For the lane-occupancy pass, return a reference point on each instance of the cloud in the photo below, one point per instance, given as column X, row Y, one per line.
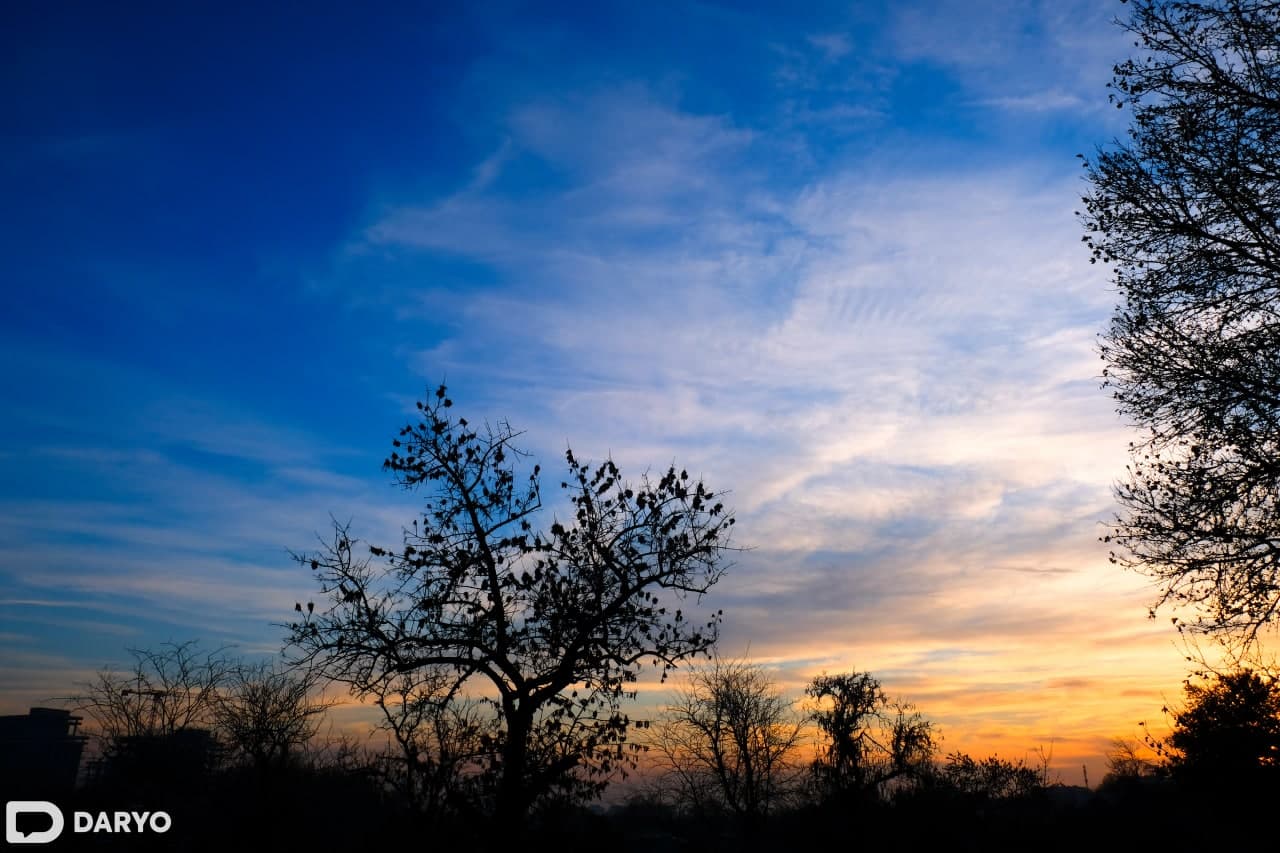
column 895, row 374
column 1037, row 102
column 832, row 45
column 167, row 518
column 623, row 164
column 938, row 322
column 1056, row 56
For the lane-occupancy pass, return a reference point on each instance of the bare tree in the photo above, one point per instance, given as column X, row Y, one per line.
column 157, row 719
column 264, row 711
column 556, row 624
column 1187, row 212
column 991, row 778
column 180, row 703
column 1130, row 759
column 166, row 690
column 441, row 744
column 729, row 741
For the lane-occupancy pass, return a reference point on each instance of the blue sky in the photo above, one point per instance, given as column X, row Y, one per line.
column 823, row 254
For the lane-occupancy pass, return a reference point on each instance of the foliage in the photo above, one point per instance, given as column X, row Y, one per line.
column 1188, row 213
column 554, row 624
column 991, row 778
column 1228, row 731
column 873, row 744
column 728, row 741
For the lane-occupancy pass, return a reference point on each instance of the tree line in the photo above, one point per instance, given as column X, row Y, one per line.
column 728, row 752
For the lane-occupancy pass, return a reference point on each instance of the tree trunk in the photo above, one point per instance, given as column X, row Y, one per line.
column 512, row 798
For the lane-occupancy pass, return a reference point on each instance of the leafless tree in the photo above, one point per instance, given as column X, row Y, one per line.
column 178, row 698
column 729, row 741
column 166, row 690
column 264, row 711
column 991, row 778
column 440, row 743
column 1129, row 758
column 1187, row 212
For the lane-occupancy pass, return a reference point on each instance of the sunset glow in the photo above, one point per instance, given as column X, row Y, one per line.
column 825, row 257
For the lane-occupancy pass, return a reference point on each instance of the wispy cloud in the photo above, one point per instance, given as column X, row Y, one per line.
column 1028, row 58
column 832, row 267
column 1037, row 102
column 832, row 45
column 895, row 374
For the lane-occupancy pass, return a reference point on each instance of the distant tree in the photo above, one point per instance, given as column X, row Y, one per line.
column 872, row 743
column 166, row 690
column 441, row 743
column 555, row 624
column 1228, row 731
column 266, row 711
column 1130, row 759
column 991, row 778
column 1187, row 211
column 728, row 742
column 157, row 719
column 181, row 703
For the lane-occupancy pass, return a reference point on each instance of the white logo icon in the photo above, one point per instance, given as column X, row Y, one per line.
column 16, row 807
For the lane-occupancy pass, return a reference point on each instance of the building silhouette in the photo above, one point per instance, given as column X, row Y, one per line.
column 40, row 752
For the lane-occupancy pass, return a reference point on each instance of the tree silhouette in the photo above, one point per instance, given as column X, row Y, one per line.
column 1188, row 213
column 872, row 743
column 1129, row 759
column 991, row 778
column 167, row 689
column 182, row 708
column 439, row 741
column 555, row 624
column 728, row 741
column 1229, row 730
column 265, row 711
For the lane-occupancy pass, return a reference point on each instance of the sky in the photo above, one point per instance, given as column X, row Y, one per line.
column 823, row 255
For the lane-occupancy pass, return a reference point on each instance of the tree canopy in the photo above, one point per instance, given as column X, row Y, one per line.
column 1229, row 729
column 1187, row 212
column 872, row 743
